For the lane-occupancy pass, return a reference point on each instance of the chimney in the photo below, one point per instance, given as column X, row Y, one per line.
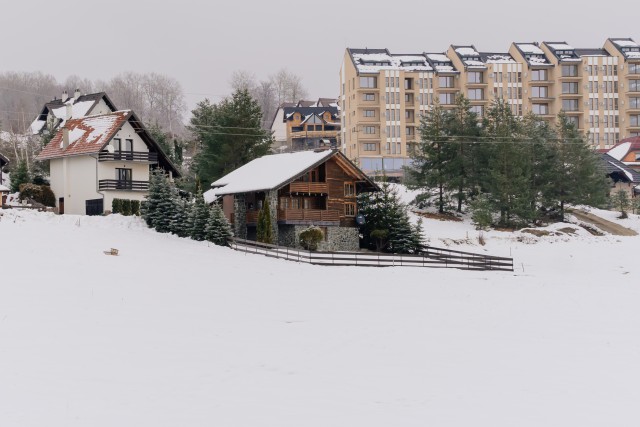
column 65, row 96
column 77, row 94
column 69, row 112
column 65, row 137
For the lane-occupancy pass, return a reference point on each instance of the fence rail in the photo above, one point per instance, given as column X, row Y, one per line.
column 431, row 257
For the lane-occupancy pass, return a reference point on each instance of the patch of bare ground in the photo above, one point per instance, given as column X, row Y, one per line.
column 439, row 216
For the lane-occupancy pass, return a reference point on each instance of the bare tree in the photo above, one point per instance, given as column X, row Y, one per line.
column 242, row 79
column 288, row 86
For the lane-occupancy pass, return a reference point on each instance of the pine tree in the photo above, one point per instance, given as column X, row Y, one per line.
column 387, row 224
column 150, row 208
column 574, row 175
column 621, row 202
column 200, row 217
column 432, row 156
column 223, row 152
column 20, row 176
column 218, row 229
column 180, row 222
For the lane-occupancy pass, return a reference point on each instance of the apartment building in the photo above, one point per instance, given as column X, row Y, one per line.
column 383, row 94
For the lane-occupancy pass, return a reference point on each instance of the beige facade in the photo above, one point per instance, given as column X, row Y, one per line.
column 382, row 95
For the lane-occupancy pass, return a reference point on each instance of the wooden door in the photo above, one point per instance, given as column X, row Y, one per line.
column 61, row 205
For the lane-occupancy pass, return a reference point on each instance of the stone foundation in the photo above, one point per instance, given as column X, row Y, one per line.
column 337, row 238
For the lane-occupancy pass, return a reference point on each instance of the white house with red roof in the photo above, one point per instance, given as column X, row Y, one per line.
column 98, row 158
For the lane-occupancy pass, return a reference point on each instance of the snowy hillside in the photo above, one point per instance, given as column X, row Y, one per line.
column 174, row 332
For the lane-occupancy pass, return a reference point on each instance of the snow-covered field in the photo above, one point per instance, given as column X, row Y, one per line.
column 174, row 332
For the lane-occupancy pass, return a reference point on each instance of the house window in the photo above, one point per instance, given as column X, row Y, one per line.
column 349, row 189
column 447, row 98
column 368, row 82
column 475, row 77
column 349, row 209
column 369, row 113
column 446, row 81
column 540, row 109
column 478, row 109
column 475, row 94
column 634, row 102
column 284, row 203
column 370, row 130
column 539, row 92
column 369, row 97
column 574, row 120
column 370, row 146
column 570, row 104
column 408, row 84
column 569, row 87
column 634, row 85
column 569, row 70
column 123, row 179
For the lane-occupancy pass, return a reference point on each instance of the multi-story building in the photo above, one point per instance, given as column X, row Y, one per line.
column 306, row 125
column 382, row 95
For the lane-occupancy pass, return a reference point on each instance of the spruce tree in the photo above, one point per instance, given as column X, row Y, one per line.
column 150, row 208
column 20, row 176
column 432, row 156
column 218, row 230
column 200, row 216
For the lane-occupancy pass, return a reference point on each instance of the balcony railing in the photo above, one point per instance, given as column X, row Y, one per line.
column 308, row 215
column 117, row 184
column 129, row 156
column 315, row 134
column 309, row 187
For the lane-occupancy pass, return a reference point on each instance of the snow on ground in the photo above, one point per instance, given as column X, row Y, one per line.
column 176, row 332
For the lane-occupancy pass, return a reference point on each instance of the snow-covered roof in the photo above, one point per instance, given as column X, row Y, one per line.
column 4, row 189
column 625, row 43
column 377, row 61
column 498, row 58
column 438, row 57
column 87, row 135
column 560, row 46
column 623, row 148
column 626, row 172
column 267, row 173
column 467, row 51
column 530, row 48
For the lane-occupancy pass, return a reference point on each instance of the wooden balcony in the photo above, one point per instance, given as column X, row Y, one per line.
column 309, row 187
column 128, row 156
column 308, row 216
column 116, row 184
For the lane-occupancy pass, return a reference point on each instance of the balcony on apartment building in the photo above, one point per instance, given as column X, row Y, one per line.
column 121, row 184
column 128, row 156
column 570, row 72
column 314, row 134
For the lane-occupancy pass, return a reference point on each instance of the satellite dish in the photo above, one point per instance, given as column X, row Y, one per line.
column 110, row 149
column 360, row 219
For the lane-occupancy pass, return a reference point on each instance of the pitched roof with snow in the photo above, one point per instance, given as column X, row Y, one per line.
column 624, row 147
column 563, row 51
column 272, row 172
column 470, row 57
column 533, row 54
column 3, row 160
column 87, row 135
column 376, row 60
column 614, row 167
column 628, row 47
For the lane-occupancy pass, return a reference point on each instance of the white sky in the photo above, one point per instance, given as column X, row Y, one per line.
column 202, row 42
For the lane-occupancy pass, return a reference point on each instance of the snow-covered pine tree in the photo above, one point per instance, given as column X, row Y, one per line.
column 200, row 216
column 180, row 221
column 166, row 207
column 149, row 209
column 218, row 229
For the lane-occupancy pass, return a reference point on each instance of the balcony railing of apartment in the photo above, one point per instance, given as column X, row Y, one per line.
column 117, row 184
column 309, row 187
column 319, row 215
column 315, row 134
column 129, row 156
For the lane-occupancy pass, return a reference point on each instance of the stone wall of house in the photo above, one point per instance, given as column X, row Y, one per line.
column 337, row 239
column 239, row 216
column 272, row 196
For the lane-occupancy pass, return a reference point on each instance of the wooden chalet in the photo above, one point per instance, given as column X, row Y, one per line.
column 305, row 188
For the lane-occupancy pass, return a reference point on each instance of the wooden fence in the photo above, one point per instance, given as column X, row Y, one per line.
column 430, row 257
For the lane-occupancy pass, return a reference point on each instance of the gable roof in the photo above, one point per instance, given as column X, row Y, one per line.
column 274, row 171
column 90, row 135
column 624, row 147
column 613, row 166
column 3, row 160
column 81, row 106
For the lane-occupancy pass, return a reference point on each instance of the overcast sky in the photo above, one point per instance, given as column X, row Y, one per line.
column 202, row 42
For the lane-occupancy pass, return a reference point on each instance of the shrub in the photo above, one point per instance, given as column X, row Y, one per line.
column 126, row 207
column 116, row 206
column 310, row 238
column 38, row 193
column 622, row 203
column 381, row 238
column 135, row 207
column 482, row 212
